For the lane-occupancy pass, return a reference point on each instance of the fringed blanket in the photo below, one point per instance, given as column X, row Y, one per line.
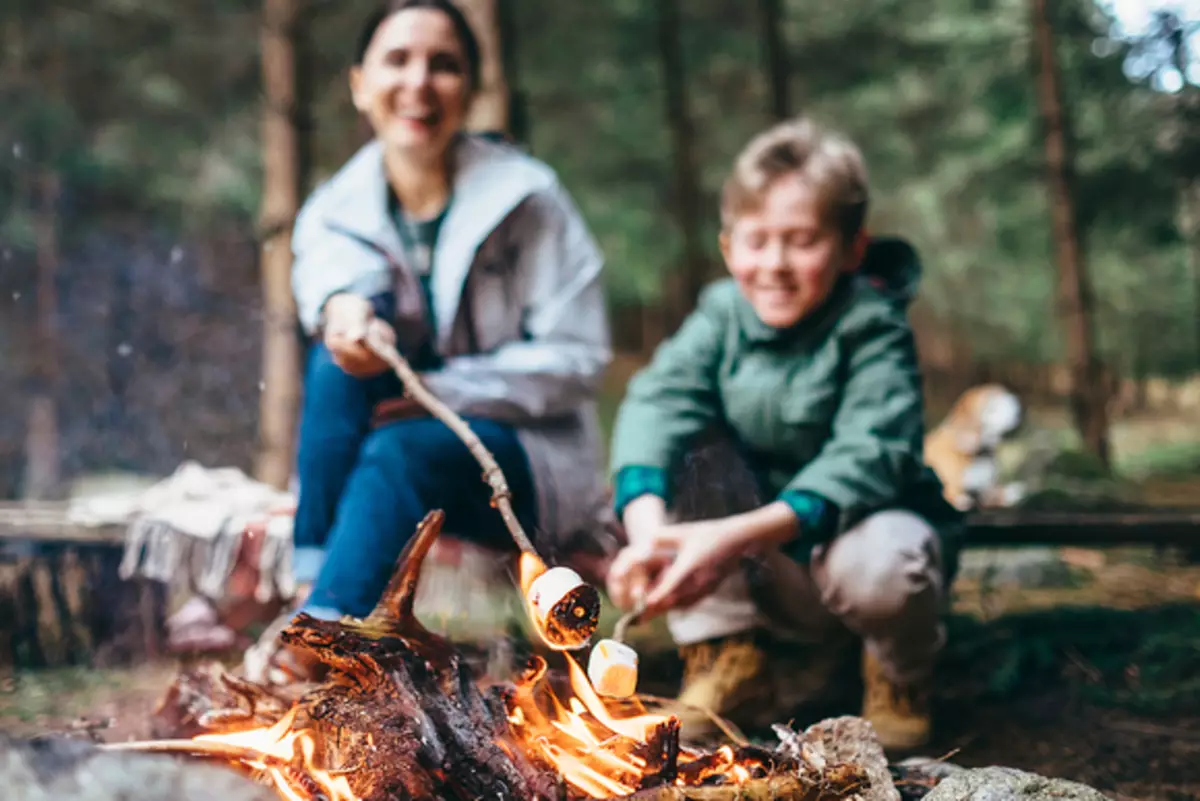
column 194, row 528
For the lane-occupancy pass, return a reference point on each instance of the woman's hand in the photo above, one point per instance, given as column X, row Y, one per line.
column 347, row 318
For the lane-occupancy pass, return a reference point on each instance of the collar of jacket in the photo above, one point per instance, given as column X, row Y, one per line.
column 490, row 180
column 816, row 322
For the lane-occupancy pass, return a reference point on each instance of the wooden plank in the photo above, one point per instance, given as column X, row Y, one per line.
column 62, row 532
column 1085, row 529
column 985, row 529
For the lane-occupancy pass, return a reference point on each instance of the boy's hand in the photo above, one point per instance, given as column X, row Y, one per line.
column 704, row 554
column 634, row 568
column 673, row 567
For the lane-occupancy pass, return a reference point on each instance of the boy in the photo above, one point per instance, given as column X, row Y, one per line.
column 804, row 366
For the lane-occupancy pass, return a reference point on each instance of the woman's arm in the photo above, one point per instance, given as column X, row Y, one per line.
column 325, row 263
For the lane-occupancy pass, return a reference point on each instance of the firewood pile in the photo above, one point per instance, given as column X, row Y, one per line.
column 399, row 714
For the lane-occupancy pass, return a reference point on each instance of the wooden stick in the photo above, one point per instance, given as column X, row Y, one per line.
column 492, row 474
column 194, row 748
column 630, row 618
column 774, row 788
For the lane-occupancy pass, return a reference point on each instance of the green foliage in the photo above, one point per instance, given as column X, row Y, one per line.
column 154, row 109
column 1147, row 660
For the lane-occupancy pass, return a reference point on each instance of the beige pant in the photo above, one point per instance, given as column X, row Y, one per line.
column 881, row 580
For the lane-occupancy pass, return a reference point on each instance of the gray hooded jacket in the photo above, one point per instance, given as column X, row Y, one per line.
column 518, row 302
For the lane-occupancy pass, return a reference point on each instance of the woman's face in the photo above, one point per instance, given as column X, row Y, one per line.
column 413, row 83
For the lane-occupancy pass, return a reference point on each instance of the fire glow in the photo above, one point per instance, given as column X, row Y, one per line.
column 601, row 748
column 272, row 751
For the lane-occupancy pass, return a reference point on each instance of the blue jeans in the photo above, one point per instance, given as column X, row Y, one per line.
column 363, row 491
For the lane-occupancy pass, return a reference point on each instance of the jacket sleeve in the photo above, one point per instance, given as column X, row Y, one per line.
column 876, row 445
column 325, row 263
column 562, row 359
column 671, row 400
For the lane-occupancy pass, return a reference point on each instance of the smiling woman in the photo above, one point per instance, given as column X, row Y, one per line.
column 473, row 260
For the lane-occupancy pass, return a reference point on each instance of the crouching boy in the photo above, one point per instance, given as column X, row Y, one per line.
column 768, row 462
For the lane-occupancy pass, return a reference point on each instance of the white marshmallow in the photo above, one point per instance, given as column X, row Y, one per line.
column 566, row 609
column 550, row 588
column 613, row 669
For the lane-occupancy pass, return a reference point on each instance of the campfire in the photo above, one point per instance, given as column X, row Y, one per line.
column 400, row 715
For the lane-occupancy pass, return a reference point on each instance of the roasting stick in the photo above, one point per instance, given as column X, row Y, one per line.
column 236, row 753
column 567, row 609
column 492, row 474
column 630, row 618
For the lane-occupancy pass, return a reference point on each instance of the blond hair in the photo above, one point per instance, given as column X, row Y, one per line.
column 827, row 161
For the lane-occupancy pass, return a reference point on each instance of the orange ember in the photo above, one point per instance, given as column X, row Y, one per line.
column 296, row 777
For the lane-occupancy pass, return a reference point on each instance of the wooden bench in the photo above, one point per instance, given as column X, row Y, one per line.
column 62, row 601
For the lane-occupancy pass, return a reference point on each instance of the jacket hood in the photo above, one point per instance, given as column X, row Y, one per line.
column 892, row 266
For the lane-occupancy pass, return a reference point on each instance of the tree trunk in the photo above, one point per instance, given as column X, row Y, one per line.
column 42, row 467
column 281, row 201
column 489, row 110
column 1189, row 225
column 775, row 58
column 518, row 111
column 686, row 200
column 1076, row 302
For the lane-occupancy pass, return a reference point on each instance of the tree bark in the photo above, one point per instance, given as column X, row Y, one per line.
column 518, row 108
column 42, row 459
column 775, row 58
column 1075, row 296
column 686, row 200
column 489, row 110
column 281, row 201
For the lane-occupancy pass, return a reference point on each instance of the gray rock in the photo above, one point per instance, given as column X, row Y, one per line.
column 1009, row 784
column 847, row 740
column 931, row 768
column 1032, row 568
column 73, row 770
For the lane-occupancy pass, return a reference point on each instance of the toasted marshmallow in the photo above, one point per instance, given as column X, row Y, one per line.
column 613, row 669
column 565, row 607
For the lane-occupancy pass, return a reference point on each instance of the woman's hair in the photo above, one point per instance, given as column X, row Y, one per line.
column 462, row 29
column 828, row 162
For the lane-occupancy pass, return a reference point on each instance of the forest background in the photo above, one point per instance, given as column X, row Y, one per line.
column 1043, row 155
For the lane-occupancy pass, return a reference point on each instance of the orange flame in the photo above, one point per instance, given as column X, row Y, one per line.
column 276, row 746
column 597, row 751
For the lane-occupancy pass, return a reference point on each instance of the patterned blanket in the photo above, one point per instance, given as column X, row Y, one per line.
column 198, row 526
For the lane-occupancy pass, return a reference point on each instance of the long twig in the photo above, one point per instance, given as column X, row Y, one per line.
column 219, row 750
column 501, row 494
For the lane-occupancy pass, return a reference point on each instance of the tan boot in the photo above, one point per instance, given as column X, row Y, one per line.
column 727, row 677
column 900, row 715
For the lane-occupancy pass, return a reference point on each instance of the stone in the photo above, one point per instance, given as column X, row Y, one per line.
column 1030, row 568
column 1009, row 784
column 847, row 740
column 64, row 769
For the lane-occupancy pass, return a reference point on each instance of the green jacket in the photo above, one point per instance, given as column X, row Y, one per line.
column 829, row 412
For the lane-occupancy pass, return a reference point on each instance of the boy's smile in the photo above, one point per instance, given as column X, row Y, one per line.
column 786, row 255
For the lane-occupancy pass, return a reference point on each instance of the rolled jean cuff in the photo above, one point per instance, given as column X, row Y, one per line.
column 306, row 563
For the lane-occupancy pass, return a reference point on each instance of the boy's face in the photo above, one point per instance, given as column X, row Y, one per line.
column 785, row 256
